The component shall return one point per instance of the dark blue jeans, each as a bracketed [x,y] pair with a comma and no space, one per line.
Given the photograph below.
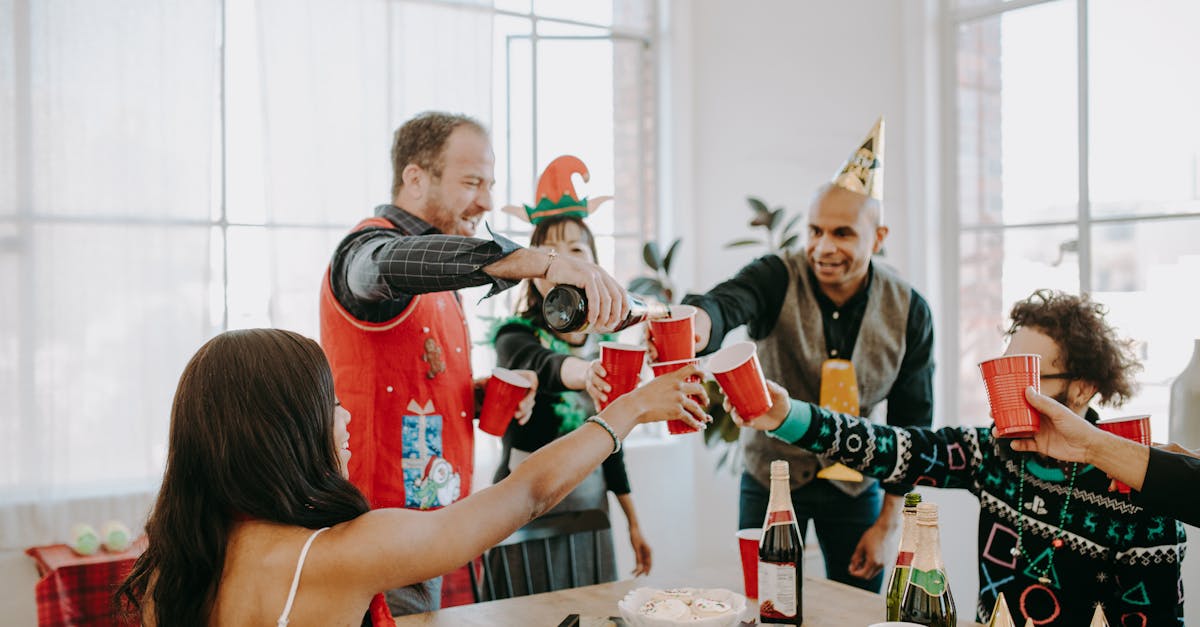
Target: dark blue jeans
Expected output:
[840,521]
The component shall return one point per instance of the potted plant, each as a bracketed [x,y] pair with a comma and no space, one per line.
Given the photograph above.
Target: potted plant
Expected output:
[722,432]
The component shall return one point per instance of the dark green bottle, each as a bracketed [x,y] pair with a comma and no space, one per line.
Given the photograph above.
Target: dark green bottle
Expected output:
[926,599]
[904,557]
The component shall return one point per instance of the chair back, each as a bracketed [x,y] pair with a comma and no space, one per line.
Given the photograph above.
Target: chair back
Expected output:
[553,552]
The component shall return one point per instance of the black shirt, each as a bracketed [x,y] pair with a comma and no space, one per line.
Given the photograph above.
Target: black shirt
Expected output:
[754,297]
[375,272]
[1167,488]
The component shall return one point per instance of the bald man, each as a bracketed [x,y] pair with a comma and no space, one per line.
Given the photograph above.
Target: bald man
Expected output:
[830,301]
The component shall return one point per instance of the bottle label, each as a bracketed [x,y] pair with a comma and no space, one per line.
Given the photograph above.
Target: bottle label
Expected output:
[904,558]
[780,517]
[777,589]
[931,581]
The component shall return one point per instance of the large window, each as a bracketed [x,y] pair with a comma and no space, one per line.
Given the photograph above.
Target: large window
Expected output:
[168,171]
[1078,168]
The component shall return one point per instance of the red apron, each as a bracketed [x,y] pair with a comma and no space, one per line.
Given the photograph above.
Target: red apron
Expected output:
[408,387]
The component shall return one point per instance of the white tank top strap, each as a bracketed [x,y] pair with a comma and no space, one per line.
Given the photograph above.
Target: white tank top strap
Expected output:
[287,608]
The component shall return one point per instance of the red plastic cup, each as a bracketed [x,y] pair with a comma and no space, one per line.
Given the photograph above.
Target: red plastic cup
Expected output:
[501,397]
[740,376]
[622,367]
[1006,379]
[675,337]
[1136,428]
[748,541]
[676,427]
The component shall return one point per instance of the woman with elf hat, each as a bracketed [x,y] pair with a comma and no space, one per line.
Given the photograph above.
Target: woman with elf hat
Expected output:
[561,360]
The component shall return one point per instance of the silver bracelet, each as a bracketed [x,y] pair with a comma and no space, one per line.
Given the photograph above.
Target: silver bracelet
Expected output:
[600,421]
[552,254]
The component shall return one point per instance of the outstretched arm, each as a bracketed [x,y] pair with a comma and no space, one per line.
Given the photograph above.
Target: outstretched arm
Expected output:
[1154,473]
[948,457]
[391,548]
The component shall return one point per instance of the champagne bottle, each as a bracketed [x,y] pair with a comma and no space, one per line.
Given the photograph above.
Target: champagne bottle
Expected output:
[926,599]
[566,310]
[780,555]
[908,540]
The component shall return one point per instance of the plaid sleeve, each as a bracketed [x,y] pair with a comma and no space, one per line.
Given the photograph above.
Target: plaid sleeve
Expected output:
[384,264]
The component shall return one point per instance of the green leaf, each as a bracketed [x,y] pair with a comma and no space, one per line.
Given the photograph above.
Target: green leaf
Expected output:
[775,217]
[743,242]
[762,215]
[646,286]
[650,254]
[789,242]
[792,223]
[666,265]
[757,205]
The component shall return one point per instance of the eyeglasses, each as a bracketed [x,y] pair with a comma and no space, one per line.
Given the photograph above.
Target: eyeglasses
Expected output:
[1059,375]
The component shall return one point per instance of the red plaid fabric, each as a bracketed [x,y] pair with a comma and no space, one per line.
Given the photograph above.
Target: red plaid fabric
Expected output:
[76,591]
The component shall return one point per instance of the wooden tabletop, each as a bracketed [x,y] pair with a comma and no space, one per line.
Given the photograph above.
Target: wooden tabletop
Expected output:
[826,604]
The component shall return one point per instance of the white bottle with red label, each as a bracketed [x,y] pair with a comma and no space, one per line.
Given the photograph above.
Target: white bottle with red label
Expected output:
[780,556]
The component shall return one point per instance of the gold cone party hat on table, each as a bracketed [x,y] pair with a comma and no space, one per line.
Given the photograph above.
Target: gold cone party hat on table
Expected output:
[1098,619]
[1000,615]
[863,171]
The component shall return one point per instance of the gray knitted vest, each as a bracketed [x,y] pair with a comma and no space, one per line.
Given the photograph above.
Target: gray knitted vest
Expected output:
[795,349]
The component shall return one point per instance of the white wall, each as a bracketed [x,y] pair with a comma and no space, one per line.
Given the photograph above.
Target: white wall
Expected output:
[768,98]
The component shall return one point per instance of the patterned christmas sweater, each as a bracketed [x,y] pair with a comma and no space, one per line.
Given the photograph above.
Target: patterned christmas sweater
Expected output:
[1111,551]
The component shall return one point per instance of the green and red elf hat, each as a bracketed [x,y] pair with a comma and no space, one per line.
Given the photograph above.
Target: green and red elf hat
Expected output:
[556,193]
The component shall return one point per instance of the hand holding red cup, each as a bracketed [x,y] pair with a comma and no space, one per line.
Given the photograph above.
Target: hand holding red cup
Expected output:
[1006,379]
[501,399]
[676,427]
[622,368]
[740,376]
[673,338]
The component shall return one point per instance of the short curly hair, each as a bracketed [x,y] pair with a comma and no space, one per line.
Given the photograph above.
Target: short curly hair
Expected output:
[422,141]
[1090,347]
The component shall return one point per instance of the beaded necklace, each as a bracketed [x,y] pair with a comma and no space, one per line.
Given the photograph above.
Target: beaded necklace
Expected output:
[1057,542]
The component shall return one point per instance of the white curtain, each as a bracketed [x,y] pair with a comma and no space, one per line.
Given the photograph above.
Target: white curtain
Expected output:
[110,115]
[132,228]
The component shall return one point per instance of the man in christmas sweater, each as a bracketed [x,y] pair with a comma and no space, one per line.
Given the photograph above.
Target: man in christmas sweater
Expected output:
[395,332]
[1052,536]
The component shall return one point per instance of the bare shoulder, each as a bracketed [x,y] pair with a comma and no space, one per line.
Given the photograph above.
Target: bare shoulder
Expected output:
[260,561]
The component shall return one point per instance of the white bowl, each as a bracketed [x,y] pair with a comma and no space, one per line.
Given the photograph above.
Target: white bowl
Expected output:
[635,599]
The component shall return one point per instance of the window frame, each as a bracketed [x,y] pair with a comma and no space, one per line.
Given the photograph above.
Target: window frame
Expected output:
[952,227]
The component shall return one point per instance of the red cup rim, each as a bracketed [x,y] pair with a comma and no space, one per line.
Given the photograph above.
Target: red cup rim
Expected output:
[675,361]
[508,376]
[678,312]
[753,533]
[730,357]
[1112,421]
[622,347]
[1004,357]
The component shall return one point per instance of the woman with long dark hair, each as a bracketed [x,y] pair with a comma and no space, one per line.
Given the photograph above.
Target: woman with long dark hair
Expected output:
[256,522]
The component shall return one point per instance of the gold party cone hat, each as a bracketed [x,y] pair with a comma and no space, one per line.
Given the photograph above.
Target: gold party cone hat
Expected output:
[863,171]
[1098,619]
[1000,615]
